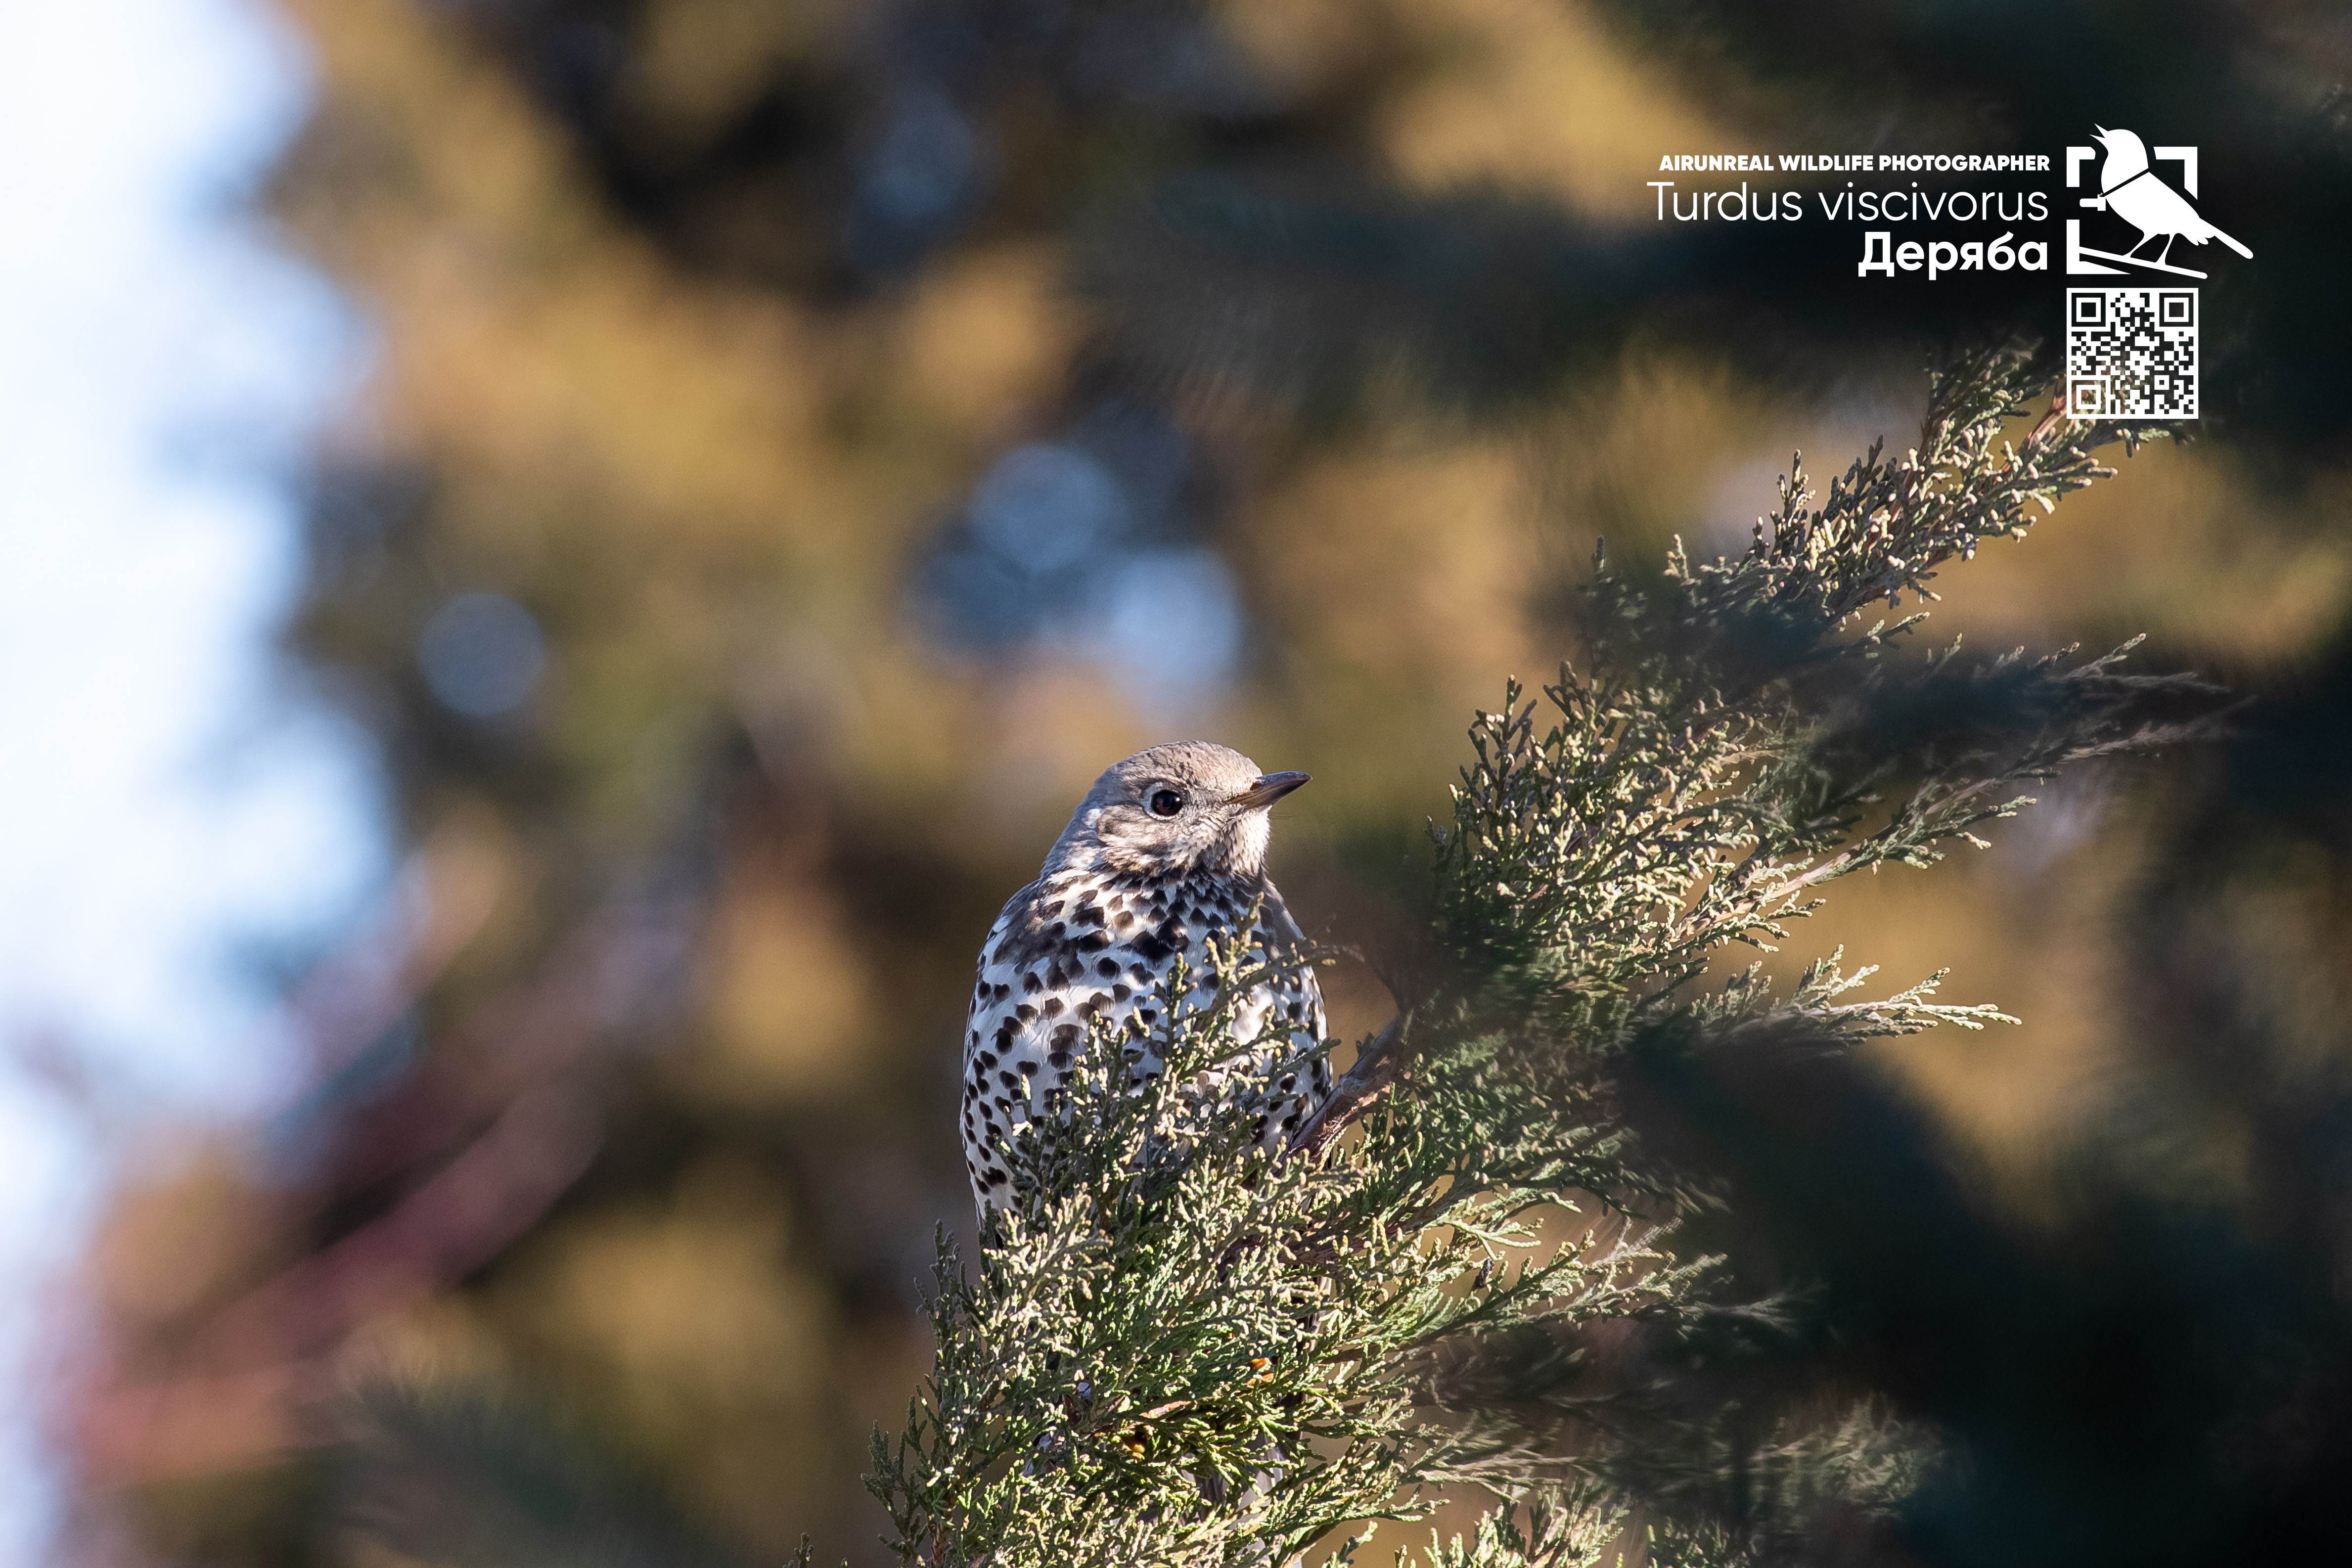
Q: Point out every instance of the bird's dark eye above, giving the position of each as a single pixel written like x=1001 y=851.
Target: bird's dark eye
x=1166 y=802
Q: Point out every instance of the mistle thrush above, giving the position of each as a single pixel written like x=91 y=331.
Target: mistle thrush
x=1167 y=849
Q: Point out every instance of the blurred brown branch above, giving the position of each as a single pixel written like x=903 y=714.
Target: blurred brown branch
x=499 y=1120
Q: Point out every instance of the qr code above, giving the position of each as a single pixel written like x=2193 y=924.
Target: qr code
x=2131 y=353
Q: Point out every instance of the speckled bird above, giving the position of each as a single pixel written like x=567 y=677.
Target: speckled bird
x=1167 y=849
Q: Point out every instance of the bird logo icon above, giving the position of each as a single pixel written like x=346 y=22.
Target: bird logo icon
x=2130 y=188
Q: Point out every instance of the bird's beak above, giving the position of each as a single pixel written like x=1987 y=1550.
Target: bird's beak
x=2099 y=134
x=1270 y=788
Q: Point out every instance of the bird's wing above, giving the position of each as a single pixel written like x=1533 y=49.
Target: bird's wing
x=1314 y=1023
x=1287 y=936
x=1278 y=919
x=1016 y=937
x=996 y=949
x=2158 y=209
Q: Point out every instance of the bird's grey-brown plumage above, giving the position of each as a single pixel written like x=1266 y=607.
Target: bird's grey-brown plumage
x=1167 y=850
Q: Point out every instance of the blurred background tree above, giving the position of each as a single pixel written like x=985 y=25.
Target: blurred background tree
x=806 y=440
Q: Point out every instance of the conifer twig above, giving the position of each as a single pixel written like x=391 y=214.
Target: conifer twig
x=1174 y=1350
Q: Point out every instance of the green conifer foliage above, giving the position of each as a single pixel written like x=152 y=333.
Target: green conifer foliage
x=1176 y=1350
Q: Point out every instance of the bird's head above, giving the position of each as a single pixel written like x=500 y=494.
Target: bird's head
x=1173 y=810
x=2127 y=153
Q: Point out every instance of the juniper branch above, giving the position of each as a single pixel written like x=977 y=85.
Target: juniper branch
x=1178 y=1351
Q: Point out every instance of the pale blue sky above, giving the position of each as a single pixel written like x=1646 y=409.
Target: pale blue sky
x=167 y=792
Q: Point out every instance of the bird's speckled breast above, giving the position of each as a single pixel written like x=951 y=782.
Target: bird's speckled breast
x=1085 y=944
